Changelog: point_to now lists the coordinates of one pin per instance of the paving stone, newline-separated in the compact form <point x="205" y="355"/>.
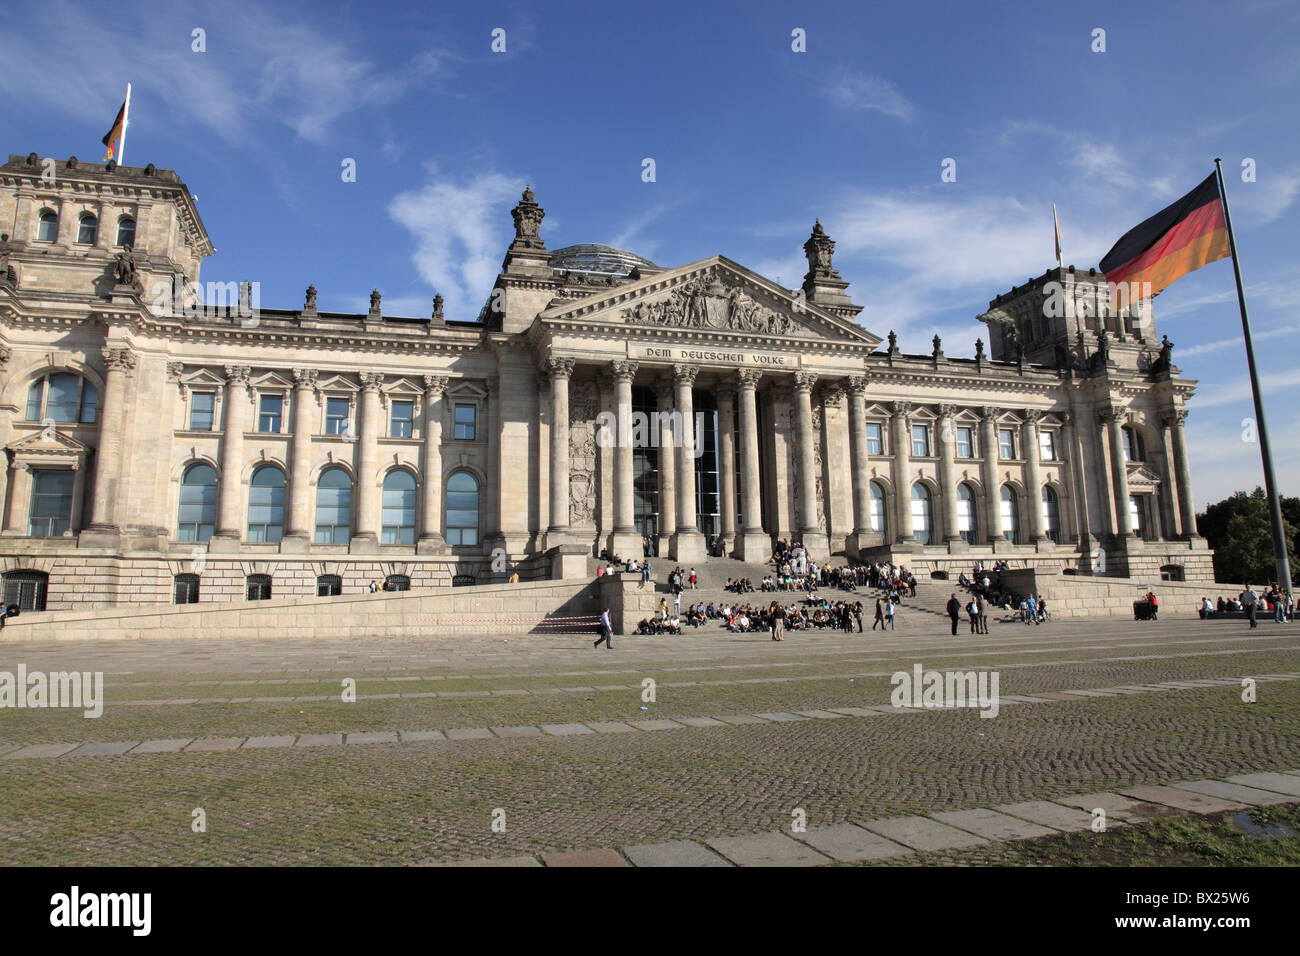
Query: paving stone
<point x="741" y="719"/>
<point x="564" y="730"/>
<point x="922" y="833"/>
<point x="891" y="709"/>
<point x="1058" y="695"/>
<point x="1066" y="819"/>
<point x="700" y="722"/>
<point x="104" y="750"/>
<point x="1118" y="809"/>
<point x="820" y="714"/>
<point x="373" y="737"/>
<point x="162" y="746"/>
<point x="992" y="825"/>
<point x="6" y="748"/>
<point x="1182" y="799"/>
<point x="585" y="858"/>
<point x="856" y="712"/>
<point x="498" y="861"/>
<point x="1277" y="782"/>
<point x="279" y="740"/>
<point x="1251" y="796"/>
<point x="780" y="716"/>
<point x="524" y="731"/>
<point x="469" y="733"/>
<point x="215" y="744"/>
<point x="850" y="843"/>
<point x="675" y="853"/>
<point x="655" y="724"/>
<point x="510" y="693"/>
<point x="610" y="727"/>
<point x="767" y="849"/>
<point x="320" y="740"/>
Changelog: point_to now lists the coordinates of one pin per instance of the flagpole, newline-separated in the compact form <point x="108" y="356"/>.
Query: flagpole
<point x="126" y="121"/>
<point x="1060" y="250"/>
<point x="1280" y="558"/>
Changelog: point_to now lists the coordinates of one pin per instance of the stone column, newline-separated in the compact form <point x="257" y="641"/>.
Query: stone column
<point x="20" y="500"/>
<point x="561" y="370"/>
<point x="431" y="540"/>
<point x="861" y="463"/>
<point x="367" y="504"/>
<point x="624" y="542"/>
<point x="1034" y="475"/>
<point x="299" y="535"/>
<point x="108" y="454"/>
<point x="902" y="442"/>
<point x="667" y="466"/>
<point x="107" y="234"/>
<point x="1182" y="473"/>
<point x="688" y="544"/>
<point x="1078" y="487"/>
<point x="1111" y="419"/>
<point x="235" y="407"/>
<point x="814" y="539"/>
<point x="752" y="544"/>
<point x="989" y="475"/>
<point x="948" y="477"/>
<point x="727" y="463"/>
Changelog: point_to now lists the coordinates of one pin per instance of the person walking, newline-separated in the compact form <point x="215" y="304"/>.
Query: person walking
<point x="606" y="631"/>
<point x="857" y="614"/>
<point x="1249" y="602"/>
<point x="1155" y="605"/>
<point x="983" y="604"/>
<point x="778" y="622"/>
<point x="693" y="579"/>
<point x="954" y="612"/>
<point x="973" y="609"/>
<point x="889" y="613"/>
<point x="880" y="616"/>
<point x="1279" y="608"/>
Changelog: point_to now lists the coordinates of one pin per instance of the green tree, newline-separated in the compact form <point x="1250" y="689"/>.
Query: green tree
<point x="1239" y="530"/>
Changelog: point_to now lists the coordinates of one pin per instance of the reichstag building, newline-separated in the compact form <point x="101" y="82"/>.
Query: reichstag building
<point x="161" y="448"/>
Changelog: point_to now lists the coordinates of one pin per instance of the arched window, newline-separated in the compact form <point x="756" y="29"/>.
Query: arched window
<point x="328" y="585"/>
<point x="27" y="589"/>
<point x="921" y="515"/>
<point x="259" y="587"/>
<point x="877" y="512"/>
<point x="1010" y="514"/>
<point x="1051" y="514"/>
<point x="333" y="506"/>
<point x="399" y="508"/>
<point x="48" y="231"/>
<point x="198" y="508"/>
<point x="462" y="509"/>
<point x="126" y="232"/>
<point x="63" y="397"/>
<point x="266" y="505"/>
<point x="966" y="522"/>
<point x="185" y="589"/>
<point x="397" y="582"/>
<point x="87" y="229"/>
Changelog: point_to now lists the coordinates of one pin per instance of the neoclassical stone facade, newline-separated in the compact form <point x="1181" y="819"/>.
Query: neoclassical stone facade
<point x="163" y="446"/>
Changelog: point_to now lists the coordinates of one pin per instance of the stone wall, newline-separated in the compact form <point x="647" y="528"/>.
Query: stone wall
<point x="535" y="607"/>
<point x="1073" y="597"/>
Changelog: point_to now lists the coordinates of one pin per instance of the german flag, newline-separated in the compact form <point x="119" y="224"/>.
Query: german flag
<point x="1175" y="241"/>
<point x="114" y="136"/>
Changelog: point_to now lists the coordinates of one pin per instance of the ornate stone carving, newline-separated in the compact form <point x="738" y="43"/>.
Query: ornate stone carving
<point x="528" y="218"/>
<point x="237" y="374"/>
<point x="685" y="374"/>
<point x="819" y="249"/>
<point x="947" y="411"/>
<point x="804" y="381"/>
<point x="375" y="298"/>
<point x="1109" y="413"/>
<point x="623" y="371"/>
<point x="437" y="308"/>
<point x="990" y="414"/>
<point x="893" y="341"/>
<point x="710" y="304"/>
<point x="1177" y="416"/>
<point x="119" y="360"/>
<point x="1032" y="415"/>
<point x="938" y="350"/>
<point x="5" y="354"/>
<point x="559" y="367"/>
<point x="124" y="270"/>
<point x="310" y="304"/>
<point x="857" y="384"/>
<point x="371" y="381"/>
<point x="834" y="395"/>
<point x="435" y="385"/>
<point x="584" y="405"/>
<point x="748" y="378"/>
<point x="304" y="377"/>
<point x="5" y="249"/>
<point x="901" y="409"/>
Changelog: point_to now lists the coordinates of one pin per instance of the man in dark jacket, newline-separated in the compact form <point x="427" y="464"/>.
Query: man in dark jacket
<point x="954" y="612"/>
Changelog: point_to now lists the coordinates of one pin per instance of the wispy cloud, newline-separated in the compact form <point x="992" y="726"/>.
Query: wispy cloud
<point x="460" y="229"/>
<point x="1230" y="393"/>
<point x="852" y="90"/>
<point x="1237" y="343"/>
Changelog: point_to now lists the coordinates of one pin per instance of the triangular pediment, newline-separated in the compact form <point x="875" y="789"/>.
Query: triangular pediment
<point x="48" y="446"/>
<point x="1142" y="476"/>
<point x="714" y="296"/>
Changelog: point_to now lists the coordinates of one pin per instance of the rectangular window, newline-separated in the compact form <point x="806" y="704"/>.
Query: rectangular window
<point x="965" y="442"/>
<point x="270" y="411"/>
<point x="1047" y="446"/>
<point x="403" y="413"/>
<point x="875" y="439"/>
<point x="51" y="505"/>
<point x="336" y="416"/>
<point x="1007" y="444"/>
<point x="920" y="441"/>
<point x="202" y="407"/>
<point x="465" y="420"/>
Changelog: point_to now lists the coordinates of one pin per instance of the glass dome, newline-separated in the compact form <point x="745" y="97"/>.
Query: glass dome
<point x="597" y="258"/>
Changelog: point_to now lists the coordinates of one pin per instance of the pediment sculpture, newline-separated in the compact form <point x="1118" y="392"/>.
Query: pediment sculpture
<point x="710" y="304"/>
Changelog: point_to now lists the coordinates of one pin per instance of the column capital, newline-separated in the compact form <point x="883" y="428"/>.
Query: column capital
<point x="1174" y="418"/>
<point x="623" y="370"/>
<point x="434" y="386"/>
<point x="175" y="370"/>
<point x="947" y="411"/>
<point x="833" y="395"/>
<point x="1032" y="416"/>
<point x="804" y="381"/>
<point x="559" y="368"/>
<point x="901" y="409"/>
<point x="748" y="378"/>
<point x="685" y="374"/>
<point x="1108" y="414"/>
<point x="370" y="381"/>
<point x="990" y="415"/>
<point x="238" y="375"/>
<point x="857" y="385"/>
<point x="663" y="389"/>
<point x="304" y="377"/>
<point x="119" y="359"/>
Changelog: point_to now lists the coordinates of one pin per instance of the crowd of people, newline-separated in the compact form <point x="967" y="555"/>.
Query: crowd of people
<point x="1276" y="601"/>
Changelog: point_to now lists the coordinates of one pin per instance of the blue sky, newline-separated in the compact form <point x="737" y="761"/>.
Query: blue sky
<point x="750" y="139"/>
